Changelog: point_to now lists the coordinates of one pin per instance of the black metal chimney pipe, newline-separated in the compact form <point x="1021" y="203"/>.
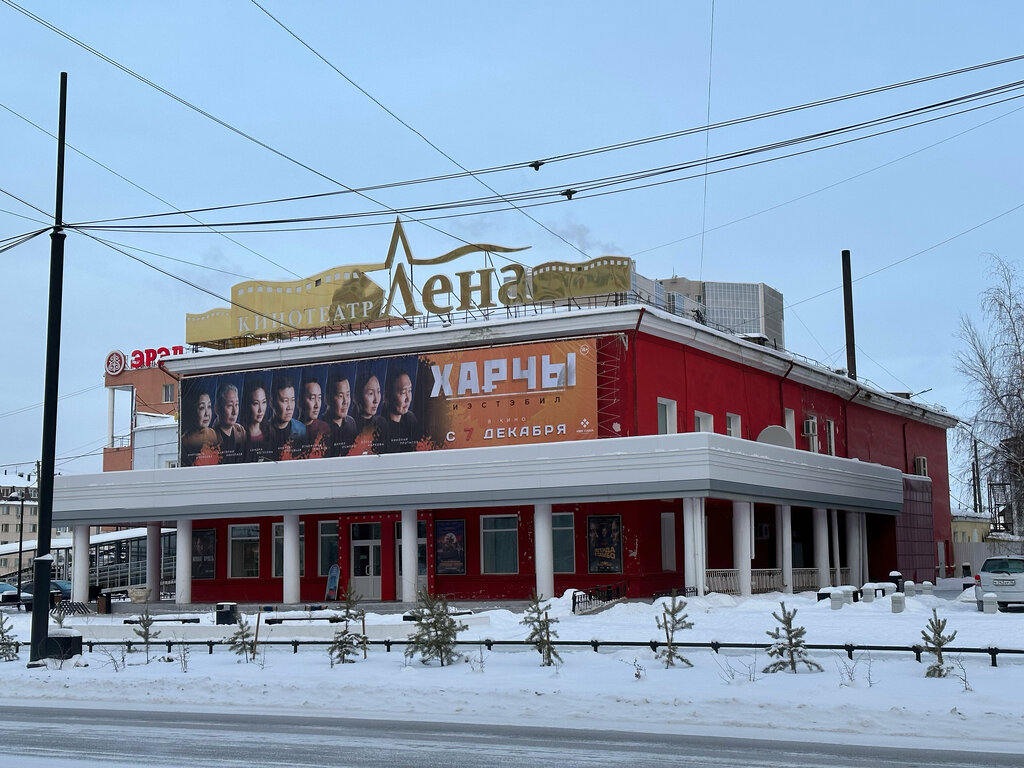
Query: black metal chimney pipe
<point x="851" y="347"/>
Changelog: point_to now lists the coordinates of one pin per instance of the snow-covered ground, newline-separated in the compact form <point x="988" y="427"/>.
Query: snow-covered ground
<point x="879" y="698"/>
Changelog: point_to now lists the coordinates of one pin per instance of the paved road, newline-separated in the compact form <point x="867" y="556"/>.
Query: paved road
<point x="33" y="737"/>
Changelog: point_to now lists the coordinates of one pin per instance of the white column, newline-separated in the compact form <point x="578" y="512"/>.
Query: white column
<point x="80" y="564"/>
<point x="700" y="542"/>
<point x="410" y="559"/>
<point x="153" y="565"/>
<point x="290" y="561"/>
<point x="819" y="517"/>
<point x="183" y="563"/>
<point x="853" y="556"/>
<point x="785" y="534"/>
<point x="689" y="545"/>
<point x="543" y="551"/>
<point x="836" y="562"/>
<point x="742" y="521"/>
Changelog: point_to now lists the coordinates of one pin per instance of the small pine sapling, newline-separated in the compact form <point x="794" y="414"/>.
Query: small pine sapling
<point x="673" y="620"/>
<point x="348" y="643"/>
<point x="145" y="630"/>
<point x="242" y="641"/>
<point x="789" y="647"/>
<point x="934" y="642"/>
<point x="8" y="643"/>
<point x="541" y="632"/>
<point x="436" y="630"/>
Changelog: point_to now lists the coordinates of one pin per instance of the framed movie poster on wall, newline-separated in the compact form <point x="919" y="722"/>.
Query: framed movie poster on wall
<point x="450" y="547"/>
<point x="204" y="548"/>
<point x="604" y="543"/>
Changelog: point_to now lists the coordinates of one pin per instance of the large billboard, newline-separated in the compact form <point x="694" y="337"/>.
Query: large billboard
<point x="526" y="393"/>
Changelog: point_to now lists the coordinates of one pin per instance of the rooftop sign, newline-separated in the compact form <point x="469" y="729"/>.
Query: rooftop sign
<point x="343" y="295"/>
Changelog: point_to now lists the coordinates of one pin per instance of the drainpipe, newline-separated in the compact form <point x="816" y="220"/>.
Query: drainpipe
<point x="782" y="403"/>
<point x="636" y="410"/>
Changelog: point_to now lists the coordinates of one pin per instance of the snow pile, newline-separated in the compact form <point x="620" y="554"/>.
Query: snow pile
<point x="879" y="697"/>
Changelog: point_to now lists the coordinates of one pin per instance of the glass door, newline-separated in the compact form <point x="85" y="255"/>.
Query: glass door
<point x="365" y="576"/>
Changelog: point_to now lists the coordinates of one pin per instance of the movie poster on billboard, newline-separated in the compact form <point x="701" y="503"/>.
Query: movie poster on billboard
<point x="511" y="395"/>
<point x="204" y="548"/>
<point x="604" y="543"/>
<point x="450" y="554"/>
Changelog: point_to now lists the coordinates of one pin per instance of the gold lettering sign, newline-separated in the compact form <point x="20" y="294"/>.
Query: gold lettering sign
<point x="344" y="295"/>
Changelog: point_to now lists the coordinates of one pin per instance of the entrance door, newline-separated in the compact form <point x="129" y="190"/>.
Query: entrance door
<point x="365" y="559"/>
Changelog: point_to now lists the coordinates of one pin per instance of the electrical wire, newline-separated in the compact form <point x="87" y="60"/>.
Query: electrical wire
<point x="434" y="146"/>
<point x="593" y="186"/>
<point x="520" y="165"/>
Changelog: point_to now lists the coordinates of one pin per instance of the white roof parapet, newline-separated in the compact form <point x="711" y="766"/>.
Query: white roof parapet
<point x="614" y="469"/>
<point x="600" y="320"/>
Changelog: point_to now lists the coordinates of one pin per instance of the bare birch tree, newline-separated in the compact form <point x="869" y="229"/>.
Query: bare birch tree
<point x="992" y="364"/>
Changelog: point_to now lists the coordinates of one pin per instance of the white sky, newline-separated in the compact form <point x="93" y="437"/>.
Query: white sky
<point x="878" y="698"/>
<point x="494" y="84"/>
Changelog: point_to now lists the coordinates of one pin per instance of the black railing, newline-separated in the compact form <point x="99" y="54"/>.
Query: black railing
<point x="388" y="644"/>
<point x="594" y="597"/>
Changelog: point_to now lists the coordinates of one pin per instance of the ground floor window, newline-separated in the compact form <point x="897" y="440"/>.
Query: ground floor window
<point x="328" y="546"/>
<point x="279" y="549"/>
<point x="499" y="544"/>
<point x="244" y="551"/>
<point x="562" y="542"/>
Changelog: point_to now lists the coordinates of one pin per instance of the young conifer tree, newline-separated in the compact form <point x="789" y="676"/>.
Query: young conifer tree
<point x="145" y="630"/>
<point x="673" y="620"/>
<point x="242" y="641"/>
<point x="348" y="642"/>
<point x="8" y="643"/>
<point x="541" y="632"/>
<point x="934" y="642"/>
<point x="789" y="646"/>
<point x="436" y="630"/>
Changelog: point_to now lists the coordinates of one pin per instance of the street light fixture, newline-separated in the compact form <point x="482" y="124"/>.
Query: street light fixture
<point x="16" y="496"/>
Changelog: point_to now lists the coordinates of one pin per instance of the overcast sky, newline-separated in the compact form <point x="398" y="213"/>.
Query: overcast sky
<point x="495" y="84"/>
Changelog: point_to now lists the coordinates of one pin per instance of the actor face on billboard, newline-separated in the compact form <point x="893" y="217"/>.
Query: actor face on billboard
<point x="227" y="408"/>
<point x="369" y="398"/>
<point x="341" y="399"/>
<point x="400" y="397"/>
<point x="204" y="411"/>
<point x="256" y="409"/>
<point x="284" y="406"/>
<point x="312" y="399"/>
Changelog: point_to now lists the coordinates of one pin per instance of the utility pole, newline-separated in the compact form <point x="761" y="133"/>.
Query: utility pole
<point x="44" y="560"/>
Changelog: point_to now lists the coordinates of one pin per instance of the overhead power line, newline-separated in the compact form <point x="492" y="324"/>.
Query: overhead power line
<point x="519" y="165"/>
<point x="600" y="187"/>
<point x="433" y="146"/>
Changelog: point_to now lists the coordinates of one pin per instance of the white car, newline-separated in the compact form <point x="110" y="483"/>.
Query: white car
<point x="1002" y="576"/>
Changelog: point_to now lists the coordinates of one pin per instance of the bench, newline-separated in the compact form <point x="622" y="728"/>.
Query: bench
<point x="183" y="620"/>
<point x="336" y="618"/>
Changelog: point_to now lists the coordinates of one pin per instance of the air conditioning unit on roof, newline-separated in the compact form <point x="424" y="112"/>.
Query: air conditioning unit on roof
<point x="811" y="427"/>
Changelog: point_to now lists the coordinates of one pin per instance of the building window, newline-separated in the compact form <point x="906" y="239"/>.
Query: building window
<point x="499" y="536"/>
<point x="790" y="416"/>
<point x="703" y="422"/>
<point x="562" y="542"/>
<point x="667" y="424"/>
<point x="170" y="464"/>
<point x="33" y="528"/>
<point x="168" y="393"/>
<point x="733" y="425"/>
<point x="328" y="546"/>
<point x="668" y="541"/>
<point x="279" y="549"/>
<point x="244" y="551"/>
<point x="830" y="437"/>
<point x="6" y="528"/>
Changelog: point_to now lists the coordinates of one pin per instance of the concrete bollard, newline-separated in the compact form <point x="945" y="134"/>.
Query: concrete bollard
<point x="927" y="588"/>
<point x="837" y="600"/>
<point x="898" y="602"/>
<point x="989" y="601"/>
<point x="909" y="588"/>
<point x="848" y="595"/>
<point x="867" y="593"/>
